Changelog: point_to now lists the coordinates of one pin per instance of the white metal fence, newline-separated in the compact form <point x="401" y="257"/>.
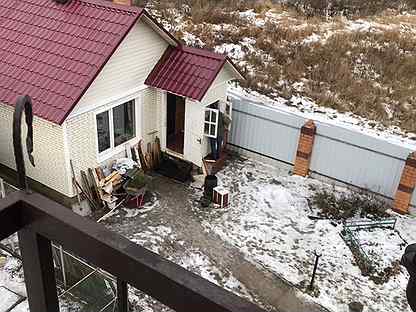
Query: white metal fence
<point x="339" y="153"/>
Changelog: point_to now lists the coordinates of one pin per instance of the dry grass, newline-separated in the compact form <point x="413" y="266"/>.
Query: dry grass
<point x="360" y="72"/>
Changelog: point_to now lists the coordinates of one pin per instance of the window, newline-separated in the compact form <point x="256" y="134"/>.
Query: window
<point x="116" y="126"/>
<point x="124" y="125"/>
<point x="211" y="122"/>
<point x="103" y="131"/>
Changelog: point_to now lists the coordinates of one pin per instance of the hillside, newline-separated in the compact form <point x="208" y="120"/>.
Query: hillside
<point x="356" y="58"/>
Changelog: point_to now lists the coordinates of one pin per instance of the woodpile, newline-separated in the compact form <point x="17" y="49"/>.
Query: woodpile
<point x="99" y="189"/>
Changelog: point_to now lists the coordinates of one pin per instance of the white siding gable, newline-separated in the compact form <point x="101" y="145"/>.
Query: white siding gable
<point x="127" y="68"/>
<point x="218" y="89"/>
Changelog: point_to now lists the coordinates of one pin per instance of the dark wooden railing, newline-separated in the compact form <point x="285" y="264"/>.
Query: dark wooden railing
<point x="38" y="221"/>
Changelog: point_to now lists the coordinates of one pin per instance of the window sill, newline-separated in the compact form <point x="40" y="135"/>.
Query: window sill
<point x="106" y="155"/>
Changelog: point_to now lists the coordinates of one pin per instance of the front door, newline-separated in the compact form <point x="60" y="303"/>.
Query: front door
<point x="175" y="123"/>
<point x="194" y="124"/>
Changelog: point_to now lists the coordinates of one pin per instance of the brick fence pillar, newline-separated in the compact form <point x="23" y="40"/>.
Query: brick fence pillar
<point x="305" y="146"/>
<point x="407" y="184"/>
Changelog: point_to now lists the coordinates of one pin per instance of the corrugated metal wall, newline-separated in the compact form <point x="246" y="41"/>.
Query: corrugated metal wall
<point x="338" y="153"/>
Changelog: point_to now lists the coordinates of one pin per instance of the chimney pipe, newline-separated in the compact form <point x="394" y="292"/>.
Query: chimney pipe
<point x="124" y="2"/>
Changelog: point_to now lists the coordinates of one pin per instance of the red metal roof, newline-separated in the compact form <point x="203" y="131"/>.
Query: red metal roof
<point x="53" y="52"/>
<point x="186" y="71"/>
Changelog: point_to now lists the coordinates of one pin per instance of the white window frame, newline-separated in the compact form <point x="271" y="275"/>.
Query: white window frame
<point x="114" y="150"/>
<point x="210" y="123"/>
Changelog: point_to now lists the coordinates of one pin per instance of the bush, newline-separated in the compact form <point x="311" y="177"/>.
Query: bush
<point x="343" y="206"/>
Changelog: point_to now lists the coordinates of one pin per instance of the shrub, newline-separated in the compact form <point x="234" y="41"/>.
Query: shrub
<point x="347" y="205"/>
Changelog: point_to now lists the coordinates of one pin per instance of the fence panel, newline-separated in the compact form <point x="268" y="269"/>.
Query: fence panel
<point x="264" y="130"/>
<point x="339" y="153"/>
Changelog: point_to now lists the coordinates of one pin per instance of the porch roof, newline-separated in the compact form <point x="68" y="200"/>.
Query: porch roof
<point x="186" y="71"/>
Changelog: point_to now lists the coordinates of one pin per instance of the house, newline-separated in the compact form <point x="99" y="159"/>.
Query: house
<point x="102" y="75"/>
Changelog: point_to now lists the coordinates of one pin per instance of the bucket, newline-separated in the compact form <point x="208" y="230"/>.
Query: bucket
<point x="211" y="182"/>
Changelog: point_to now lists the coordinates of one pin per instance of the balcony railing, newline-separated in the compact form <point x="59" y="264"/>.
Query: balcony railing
<point x="38" y="221"/>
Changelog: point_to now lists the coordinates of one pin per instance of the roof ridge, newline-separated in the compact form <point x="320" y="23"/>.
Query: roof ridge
<point x="112" y="5"/>
<point x="203" y="52"/>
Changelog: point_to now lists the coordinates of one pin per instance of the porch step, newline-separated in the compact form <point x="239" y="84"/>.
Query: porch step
<point x="213" y="166"/>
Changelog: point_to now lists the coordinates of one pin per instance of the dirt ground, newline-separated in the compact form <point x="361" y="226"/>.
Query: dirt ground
<point x="174" y="213"/>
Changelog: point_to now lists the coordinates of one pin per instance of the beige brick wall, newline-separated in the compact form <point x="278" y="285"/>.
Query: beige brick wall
<point x="151" y="116"/>
<point x="48" y="143"/>
<point x="81" y="134"/>
<point x="82" y="142"/>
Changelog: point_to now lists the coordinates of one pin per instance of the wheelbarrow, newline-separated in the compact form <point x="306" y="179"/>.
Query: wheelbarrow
<point x="135" y="197"/>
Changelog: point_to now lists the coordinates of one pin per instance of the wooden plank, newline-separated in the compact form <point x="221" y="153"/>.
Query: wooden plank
<point x="158" y="151"/>
<point x="74" y="183"/>
<point x="111" y="176"/>
<point x="2" y="189"/>
<point x="149" y="156"/>
<point x="94" y="186"/>
<point x="141" y="155"/>
<point x="86" y="189"/>
<point x="100" y="174"/>
<point x="86" y="195"/>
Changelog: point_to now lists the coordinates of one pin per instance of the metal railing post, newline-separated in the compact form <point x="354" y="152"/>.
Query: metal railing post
<point x="39" y="271"/>
<point x="122" y="296"/>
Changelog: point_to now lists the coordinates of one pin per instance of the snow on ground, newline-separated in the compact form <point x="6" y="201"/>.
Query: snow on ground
<point x="12" y="284"/>
<point x="162" y="240"/>
<point x="268" y="221"/>
<point x="8" y="299"/>
<point x="381" y="245"/>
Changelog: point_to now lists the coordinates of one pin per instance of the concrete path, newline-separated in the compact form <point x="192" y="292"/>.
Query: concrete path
<point x="176" y="212"/>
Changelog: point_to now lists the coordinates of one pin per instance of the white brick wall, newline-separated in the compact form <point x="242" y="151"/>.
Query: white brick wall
<point x="82" y="143"/>
<point x="122" y="78"/>
<point x="151" y="116"/>
<point x="48" y="144"/>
